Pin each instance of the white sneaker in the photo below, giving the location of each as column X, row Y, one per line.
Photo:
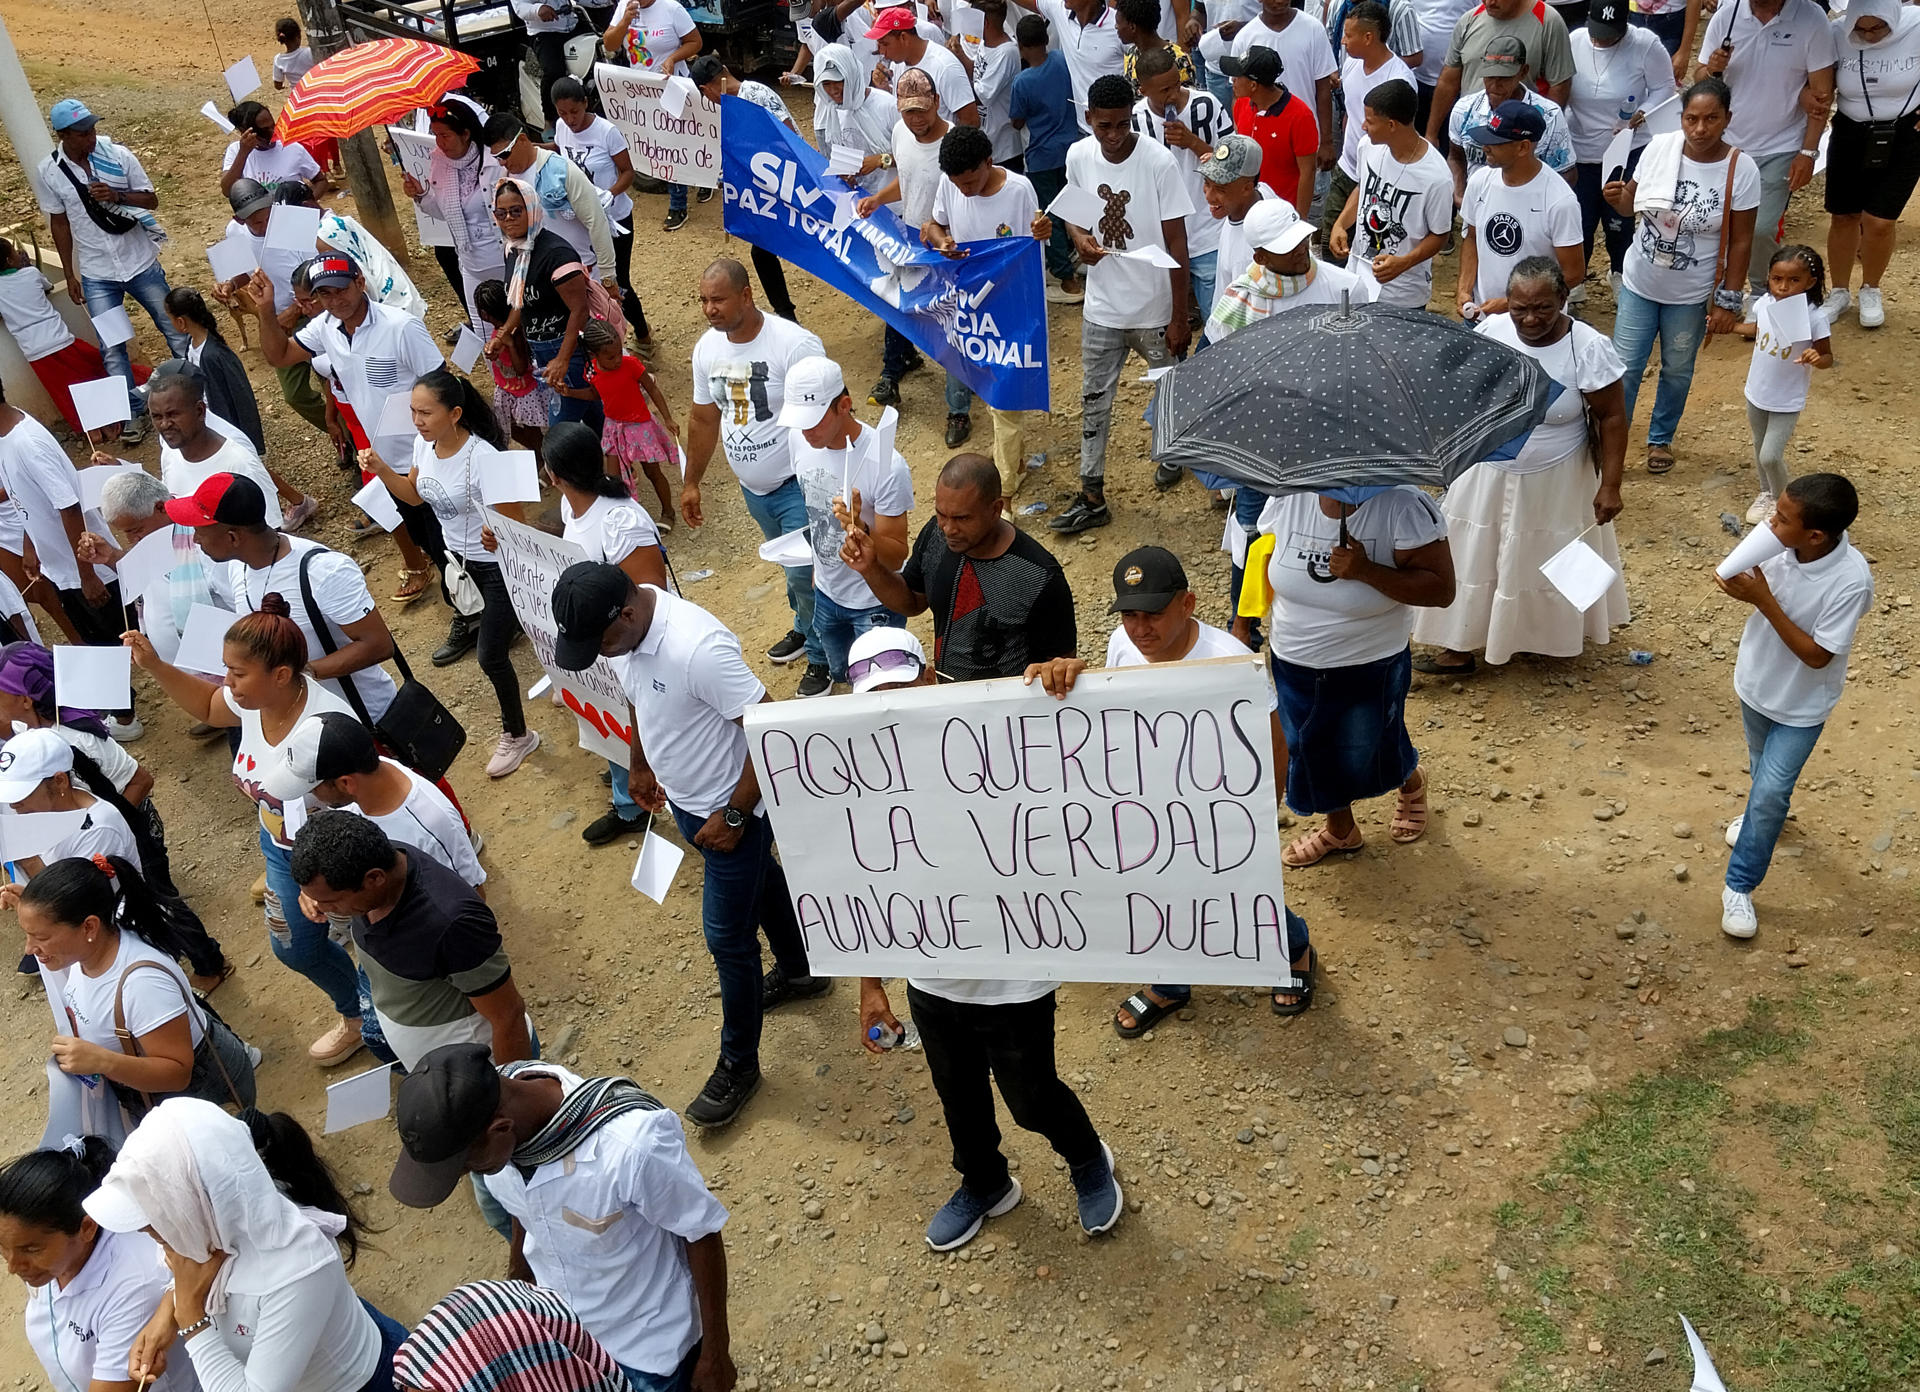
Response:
column 125, row 731
column 1616, row 280
column 1733, row 828
column 1737, row 918
column 1873, row 313
column 1837, row 303
column 1761, row 509
column 510, row 752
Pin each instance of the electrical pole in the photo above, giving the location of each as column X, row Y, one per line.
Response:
column 366, row 170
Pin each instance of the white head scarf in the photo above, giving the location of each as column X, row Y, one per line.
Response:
column 1892, row 13
column 852, row 120
column 191, row 1171
column 536, row 214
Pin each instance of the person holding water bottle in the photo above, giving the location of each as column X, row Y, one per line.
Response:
column 1619, row 75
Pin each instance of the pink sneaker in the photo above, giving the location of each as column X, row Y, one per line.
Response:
column 511, row 752
column 337, row 1045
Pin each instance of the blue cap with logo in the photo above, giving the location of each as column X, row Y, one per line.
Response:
column 71, row 114
column 1510, row 121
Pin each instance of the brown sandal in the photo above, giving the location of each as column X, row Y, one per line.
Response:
column 1410, row 813
column 413, row 584
column 1659, row 459
column 1317, row 845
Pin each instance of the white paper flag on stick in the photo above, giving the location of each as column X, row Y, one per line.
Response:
column 147, row 562
column 101, row 403
column 1580, row 574
column 675, row 95
column 203, row 642
column 93, row 678
column 362, row 1098
column 788, row 549
column 218, row 117
column 509, row 476
column 27, row 834
column 377, row 503
column 969, row 23
column 243, row 79
column 1152, row 255
column 230, row 258
column 1077, row 206
column 466, row 349
column 1788, row 318
column 845, row 159
column 1619, row 150
column 1706, row 1377
column 94, row 478
column 659, row 862
column 293, row 228
column 396, row 416
column 1760, row 544
column 113, row 326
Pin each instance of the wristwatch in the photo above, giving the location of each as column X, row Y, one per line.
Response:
column 886, row 160
column 1811, row 154
column 733, row 817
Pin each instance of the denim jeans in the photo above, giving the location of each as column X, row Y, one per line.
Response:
column 1103, row 353
column 149, row 290
column 1298, row 942
column 679, row 1380
column 1220, row 85
column 1775, row 755
column 835, row 627
column 559, row 408
column 392, row 1335
column 303, row 944
column 744, row 889
column 1596, row 212
column 676, row 198
column 1047, row 184
column 959, row 397
column 897, row 354
column 1201, row 271
column 1637, row 323
column 777, row 513
column 623, row 802
column 1248, row 503
column 1774, row 197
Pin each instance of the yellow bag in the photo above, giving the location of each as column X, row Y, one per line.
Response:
column 1256, row 595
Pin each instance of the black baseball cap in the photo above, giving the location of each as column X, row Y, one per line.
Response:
column 321, row 748
column 1147, row 580
column 1259, row 65
column 705, row 70
column 229, row 500
column 1608, row 18
column 587, row 598
column 1508, row 122
column 444, row 1106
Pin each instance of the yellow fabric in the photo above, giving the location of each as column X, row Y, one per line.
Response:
column 1256, row 595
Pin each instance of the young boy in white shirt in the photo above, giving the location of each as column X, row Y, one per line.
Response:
column 1792, row 666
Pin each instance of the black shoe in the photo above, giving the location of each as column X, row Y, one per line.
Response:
column 913, row 364
column 886, row 392
column 1165, row 476
column 777, row 988
column 675, row 221
column 704, row 195
column 816, row 682
column 788, row 648
column 611, row 826
column 462, row 637
column 726, row 1092
column 30, row 966
column 1084, row 513
column 959, row 427
column 606, row 777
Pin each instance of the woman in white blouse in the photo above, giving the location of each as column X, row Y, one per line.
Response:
column 459, row 191
column 1506, row 517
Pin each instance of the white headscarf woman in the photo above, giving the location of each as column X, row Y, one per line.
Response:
column 255, row 1284
column 1873, row 150
column 860, row 116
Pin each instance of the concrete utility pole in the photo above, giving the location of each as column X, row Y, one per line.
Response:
column 26, row 127
column 366, row 170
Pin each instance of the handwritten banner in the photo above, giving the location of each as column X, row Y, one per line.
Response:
column 985, row 830
column 683, row 149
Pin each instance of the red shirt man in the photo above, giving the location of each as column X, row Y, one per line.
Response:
column 1283, row 125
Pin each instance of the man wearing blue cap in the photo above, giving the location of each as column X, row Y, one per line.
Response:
column 99, row 203
column 1514, row 208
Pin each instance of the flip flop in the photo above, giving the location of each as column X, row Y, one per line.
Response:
column 1300, row 985
column 1659, row 459
column 1427, row 663
column 1146, row 1012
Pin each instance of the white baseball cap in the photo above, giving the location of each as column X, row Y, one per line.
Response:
column 885, row 657
column 113, row 1206
column 29, row 759
column 1273, row 225
column 813, row 385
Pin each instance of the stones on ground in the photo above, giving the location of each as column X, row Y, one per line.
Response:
column 1244, row 1135
column 1471, row 819
column 813, row 1209
column 560, row 819
column 1626, row 929
column 1681, row 873
column 1603, row 812
column 1683, row 830
column 1514, row 1037
column 1203, row 1198
column 874, row 1333
column 1655, row 1356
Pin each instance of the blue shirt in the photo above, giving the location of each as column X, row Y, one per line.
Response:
column 1043, row 98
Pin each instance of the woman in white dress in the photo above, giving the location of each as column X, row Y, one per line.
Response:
column 1508, row 516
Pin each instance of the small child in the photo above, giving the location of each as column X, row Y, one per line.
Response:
column 631, row 435
column 57, row 358
column 1781, row 372
column 1792, row 666
column 289, row 67
column 520, row 398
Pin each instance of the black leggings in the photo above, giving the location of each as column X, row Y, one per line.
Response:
column 449, row 260
column 498, row 625
column 629, row 302
column 202, row 948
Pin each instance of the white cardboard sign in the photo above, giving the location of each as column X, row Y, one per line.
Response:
column 678, row 143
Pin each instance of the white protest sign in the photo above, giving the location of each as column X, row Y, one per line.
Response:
column 416, row 154
column 509, row 476
column 231, row 258
column 113, row 326
column 215, row 115
column 93, row 678
column 362, row 1098
column 374, row 500
column 679, row 149
column 145, row 562
column 293, row 228
column 243, row 79
column 94, row 477
column 530, row 562
column 101, row 403
column 984, row 830
column 203, row 641
column 24, row 835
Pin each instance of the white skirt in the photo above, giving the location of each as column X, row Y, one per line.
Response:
column 1501, row 527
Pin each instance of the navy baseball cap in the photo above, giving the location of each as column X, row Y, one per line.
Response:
column 1509, row 121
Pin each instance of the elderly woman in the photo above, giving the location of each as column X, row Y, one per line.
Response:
column 549, row 308
column 1346, row 570
column 461, row 175
column 1505, row 517
column 1873, row 157
column 504, row 1336
column 1686, row 271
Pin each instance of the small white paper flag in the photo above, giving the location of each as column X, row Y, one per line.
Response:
column 1152, row 255
column 969, row 23
column 788, row 549
column 1618, row 151
column 113, row 326
column 27, row 834
column 467, row 349
column 1580, row 574
column 659, row 862
column 1706, row 1377
column 541, row 687
column 243, row 79
column 93, row 678
column 377, row 503
column 231, row 258
column 94, row 478
column 1077, row 206
column 396, row 416
column 218, row 117
column 293, row 816
column 293, row 228
column 1154, row 374
column 203, row 642
column 845, row 159
column 101, row 403
column 509, row 476
column 675, row 95
column 362, row 1098
column 145, row 563
column 1789, row 319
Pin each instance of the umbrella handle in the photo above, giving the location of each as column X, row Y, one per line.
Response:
column 1344, row 542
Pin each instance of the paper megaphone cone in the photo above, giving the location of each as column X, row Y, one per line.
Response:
column 1760, row 544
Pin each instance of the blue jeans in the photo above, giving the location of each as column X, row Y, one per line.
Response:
column 1775, row 755
column 559, row 408
column 777, row 513
column 744, row 889
column 305, row 945
column 1200, row 273
column 149, row 290
column 392, row 1335
column 835, row 627
column 1637, row 323
column 1248, row 503
column 1297, row 943
column 623, row 802
column 959, row 398
column 679, row 1380
column 1220, row 85
column 1047, row 184
column 897, row 354
column 676, row 198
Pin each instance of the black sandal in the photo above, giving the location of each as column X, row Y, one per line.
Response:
column 1146, row 1012
column 1300, row 985
column 1432, row 667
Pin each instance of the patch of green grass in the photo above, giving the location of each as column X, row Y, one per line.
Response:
column 1510, row 1215
column 1303, row 1243
column 1445, row 1266
column 1286, row 1307
column 1537, row 1330
column 1893, row 1101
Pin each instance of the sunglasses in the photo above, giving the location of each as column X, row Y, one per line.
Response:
column 891, row 660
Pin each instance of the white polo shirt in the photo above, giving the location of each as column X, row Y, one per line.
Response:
column 85, row 1333
column 606, row 1228
column 688, row 684
column 383, row 356
column 101, row 254
column 1091, row 50
column 1826, row 600
column 1769, row 70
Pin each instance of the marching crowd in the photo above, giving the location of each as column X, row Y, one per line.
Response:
column 1191, row 174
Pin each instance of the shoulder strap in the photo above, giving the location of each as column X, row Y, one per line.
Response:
column 130, row 1046
column 1726, row 218
column 323, row 629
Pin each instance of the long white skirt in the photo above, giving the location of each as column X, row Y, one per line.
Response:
column 1501, row 527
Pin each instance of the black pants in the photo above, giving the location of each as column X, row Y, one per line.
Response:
column 498, row 624
column 551, row 50
column 1012, row 1045
column 203, row 949
column 773, row 279
column 449, row 260
column 629, row 302
column 1423, row 108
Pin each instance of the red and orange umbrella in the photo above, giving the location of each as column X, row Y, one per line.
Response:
column 369, row 84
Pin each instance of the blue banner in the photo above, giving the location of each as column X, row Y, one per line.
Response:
column 982, row 317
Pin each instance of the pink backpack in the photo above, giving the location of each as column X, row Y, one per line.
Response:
column 600, row 302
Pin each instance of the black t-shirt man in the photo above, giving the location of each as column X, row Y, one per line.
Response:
column 993, row 617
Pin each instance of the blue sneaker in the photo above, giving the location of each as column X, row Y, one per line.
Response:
column 959, row 1219
column 1101, row 1203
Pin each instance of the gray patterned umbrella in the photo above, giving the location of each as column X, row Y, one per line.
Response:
column 1336, row 398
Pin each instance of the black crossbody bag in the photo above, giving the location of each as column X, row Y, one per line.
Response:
column 1877, row 150
column 421, row 731
column 97, row 212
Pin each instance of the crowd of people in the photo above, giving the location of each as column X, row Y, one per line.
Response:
column 1261, row 160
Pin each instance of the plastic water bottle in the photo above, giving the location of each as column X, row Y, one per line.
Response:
column 1640, row 657
column 907, row 1036
column 1627, row 105
column 1033, row 509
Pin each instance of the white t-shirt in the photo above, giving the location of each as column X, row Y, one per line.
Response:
column 29, row 315
column 1234, row 255
column 341, row 595
column 1091, row 50
column 1008, row 213
column 885, row 489
column 182, row 476
column 610, row 530
column 1825, row 600
column 291, row 67
column 1355, row 83
column 104, row 832
column 1210, row 122
column 655, row 32
column 99, row 253
column 916, row 164
column 1636, row 70
column 85, row 1332
column 276, row 164
column 1399, row 206
column 1306, row 53
column 1319, row 621
column 316, row 1314
column 39, row 476
column 1582, row 361
column 428, row 822
column 451, row 487
column 257, row 754
column 1768, row 71
column 1674, row 253
column 115, row 763
column 383, row 356
column 1775, row 382
column 150, row 1002
column 1142, row 191
column 952, row 88
column 747, row 382
column 1510, row 224
column 1208, row 642
column 593, row 149
column 993, row 72
column 1437, row 19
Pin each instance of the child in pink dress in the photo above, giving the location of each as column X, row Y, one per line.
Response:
column 633, row 435
column 520, row 398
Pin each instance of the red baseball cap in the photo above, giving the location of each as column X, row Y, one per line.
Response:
column 893, row 20
column 225, row 500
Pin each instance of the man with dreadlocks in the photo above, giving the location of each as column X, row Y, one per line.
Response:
column 609, row 1211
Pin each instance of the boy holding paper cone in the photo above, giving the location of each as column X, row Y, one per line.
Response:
column 1807, row 600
